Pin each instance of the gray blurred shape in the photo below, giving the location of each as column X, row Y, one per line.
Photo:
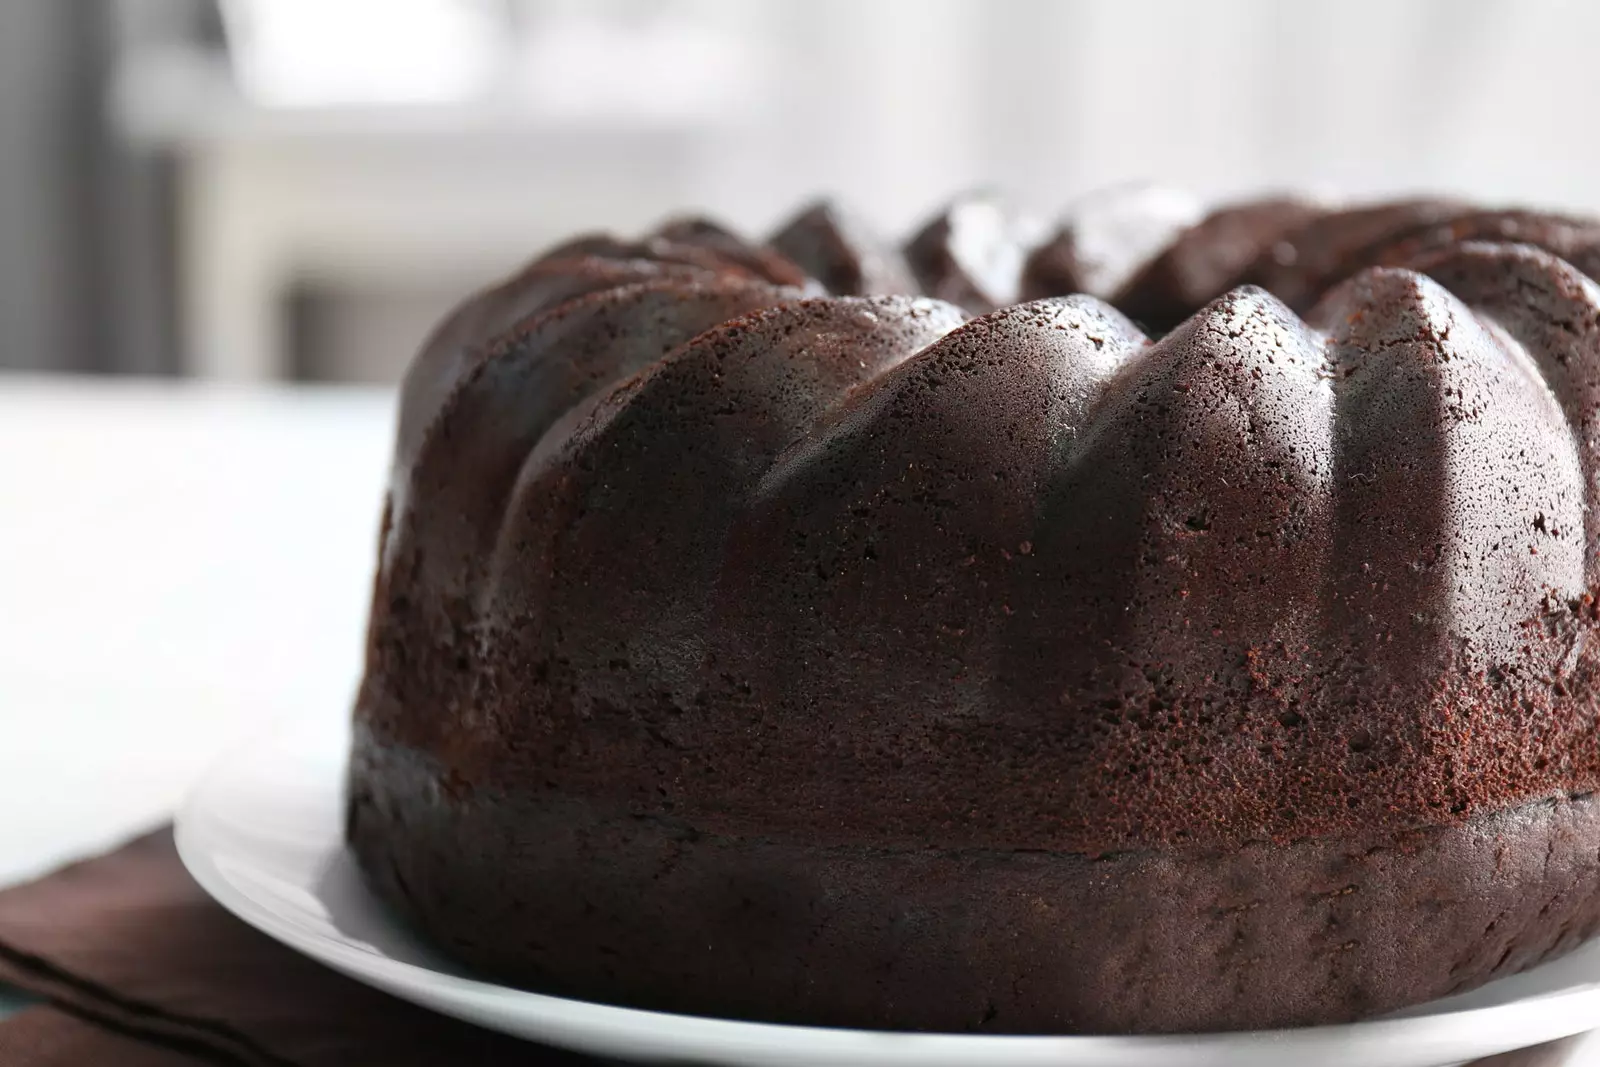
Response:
column 86, row 242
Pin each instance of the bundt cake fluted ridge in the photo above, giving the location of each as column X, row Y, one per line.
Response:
column 725, row 632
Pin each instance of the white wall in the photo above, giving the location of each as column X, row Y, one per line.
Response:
column 893, row 105
column 900, row 101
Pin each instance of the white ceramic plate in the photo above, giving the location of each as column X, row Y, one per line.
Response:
column 262, row 834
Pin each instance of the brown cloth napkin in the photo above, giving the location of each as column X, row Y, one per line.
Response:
column 138, row 967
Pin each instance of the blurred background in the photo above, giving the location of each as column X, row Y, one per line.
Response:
column 225, row 226
column 295, row 189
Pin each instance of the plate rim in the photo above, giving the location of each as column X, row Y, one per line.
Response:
column 1449, row 1036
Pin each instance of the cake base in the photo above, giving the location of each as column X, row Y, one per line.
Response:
column 563, row 897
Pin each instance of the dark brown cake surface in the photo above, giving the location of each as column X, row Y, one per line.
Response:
column 1209, row 258
column 973, row 253
column 931, row 631
column 1106, row 238
column 616, row 907
column 841, row 252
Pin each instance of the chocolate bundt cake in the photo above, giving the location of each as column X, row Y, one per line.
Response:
column 755, row 637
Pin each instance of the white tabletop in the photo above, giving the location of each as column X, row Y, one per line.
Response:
column 178, row 567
